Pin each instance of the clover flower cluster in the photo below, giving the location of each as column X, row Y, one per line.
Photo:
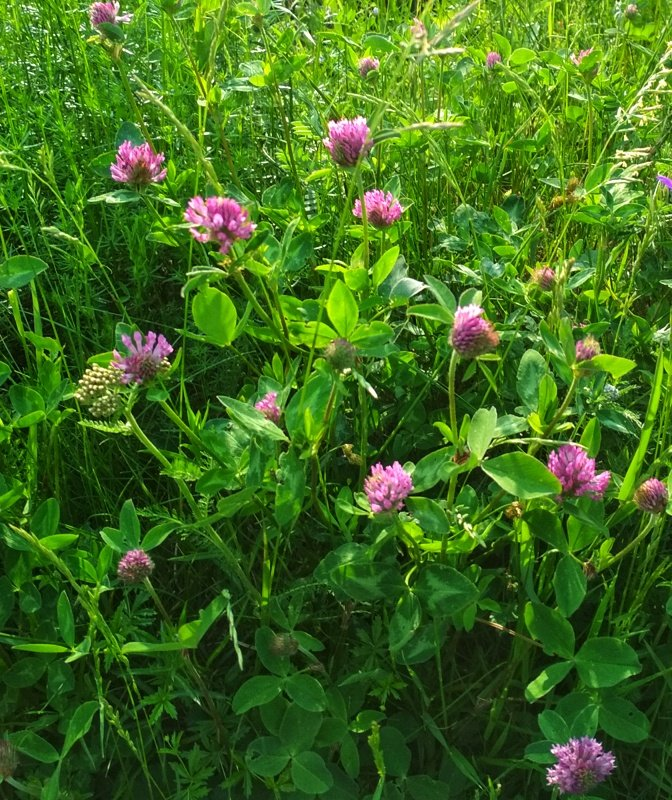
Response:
column 348, row 141
column 269, row 407
column 544, row 278
column 582, row 763
column 218, row 219
column 587, row 348
column 97, row 388
column 382, row 210
column 137, row 165
column 387, row 487
column 368, row 64
column 472, row 335
column 492, row 59
column 146, row 357
column 100, row 13
column 135, row 566
column 576, row 59
column 341, row 355
column 652, row 496
column 575, row 470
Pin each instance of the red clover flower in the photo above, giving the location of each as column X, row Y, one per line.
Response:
column 368, row 64
column 667, row 182
column 631, row 11
column 492, row 58
column 147, row 356
column 652, row 496
column 137, row 165
column 582, row 763
column 577, row 59
column 587, row 348
column 107, row 12
column 382, row 210
column 135, row 566
column 576, row 472
column 472, row 335
column 268, row 407
column 348, row 141
column 544, row 277
column 218, row 219
column 386, row 487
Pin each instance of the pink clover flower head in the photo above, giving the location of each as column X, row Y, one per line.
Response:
column 382, row 210
column 582, row 763
column 492, row 58
column 268, row 407
column 135, row 566
column 348, row 141
column 576, row 472
column 472, row 335
column 368, row 64
column 577, row 59
column 667, row 182
column 137, row 165
column 587, row 348
column 418, row 29
column 652, row 496
column 218, row 219
column 631, row 11
column 147, row 356
column 387, row 487
column 107, row 12
column 544, row 277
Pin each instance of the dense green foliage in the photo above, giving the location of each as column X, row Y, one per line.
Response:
column 291, row 642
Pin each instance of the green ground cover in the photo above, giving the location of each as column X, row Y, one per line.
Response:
column 312, row 492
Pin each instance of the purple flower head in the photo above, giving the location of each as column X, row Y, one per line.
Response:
column 137, row 165
column 667, row 182
column 652, row 496
column 368, row 64
column 135, row 566
column 587, row 348
column 348, row 141
column 492, row 58
column 582, row 763
column 107, row 12
column 544, row 277
column 576, row 472
column 268, row 407
column 472, row 335
column 218, row 219
column 382, row 210
column 386, row 487
column 147, row 356
column 577, row 59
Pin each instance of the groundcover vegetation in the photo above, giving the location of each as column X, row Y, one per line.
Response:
column 335, row 407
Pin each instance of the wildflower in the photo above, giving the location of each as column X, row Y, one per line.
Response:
column 9, row 759
column 582, row 763
column 268, row 407
column 107, row 13
column 667, row 182
column 348, row 141
column 587, row 348
column 135, row 566
column 631, row 11
column 492, row 58
column 96, row 389
column 368, row 64
column 611, row 392
column 218, row 219
column 577, row 59
column 472, row 335
column 652, row 496
column 544, row 277
column 137, row 165
column 147, row 356
column 382, row 210
column 341, row 355
column 418, row 29
column 386, row 487
column 576, row 472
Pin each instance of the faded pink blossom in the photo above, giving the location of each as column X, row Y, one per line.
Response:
column 582, row 763
column 387, row 487
column 137, row 165
column 587, row 348
column 577, row 59
column 218, row 219
column 107, row 12
column 348, row 141
column 382, row 210
column 544, row 277
column 146, row 358
column 268, row 407
column 368, row 64
column 472, row 335
column 575, row 470
column 135, row 566
column 652, row 496
column 492, row 58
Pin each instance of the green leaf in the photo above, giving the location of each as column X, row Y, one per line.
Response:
column 551, row 629
column 251, row 419
column 384, row 265
column 118, row 197
column 41, row 647
column 266, row 757
column 531, row 370
column 310, row 773
column 342, row 309
column 46, row 518
column 255, row 692
column 158, row 534
column 623, row 720
column 597, row 176
column 443, row 590
column 19, row 271
column 128, row 132
column 433, row 311
column 429, row 514
column 66, row 620
column 24, row 673
column 404, row 622
column 129, row 525
column 569, row 582
column 434, row 467
column 265, row 643
column 306, row 691
column 482, row 431
column 59, row 540
column 521, row 55
column 522, row 475
column 191, row 633
column 291, row 481
column 215, row 315
column 553, row 726
column 79, row 725
column 299, row 727
column 34, row 746
column 26, row 401
column 547, row 527
column 605, row 661
column 546, row 680
column 616, row 366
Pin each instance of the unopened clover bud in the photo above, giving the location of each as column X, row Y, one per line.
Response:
column 135, row 566
column 341, row 354
column 652, row 496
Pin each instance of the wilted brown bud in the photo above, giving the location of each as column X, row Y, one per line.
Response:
column 589, row 570
column 283, row 644
column 341, row 354
column 514, row 510
column 9, row 759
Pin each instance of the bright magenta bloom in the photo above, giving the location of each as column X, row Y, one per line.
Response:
column 667, row 182
column 135, row 566
column 348, row 141
column 652, row 496
column 268, row 407
column 544, row 277
column 472, row 335
column 576, row 472
column 386, row 487
column 492, row 58
column 147, row 356
column 107, row 12
column 582, row 763
column 368, row 64
column 218, row 219
column 137, row 165
column 382, row 210
column 587, row 348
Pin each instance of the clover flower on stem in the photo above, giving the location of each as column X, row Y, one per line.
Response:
column 146, row 358
column 382, row 210
column 348, row 141
column 368, row 64
column 577, row 59
column 587, row 348
column 218, row 219
column 387, row 487
column 135, row 566
column 137, row 165
column 544, row 277
column 269, row 408
column 107, row 13
column 665, row 181
column 492, row 59
column 472, row 335
column 575, row 470
column 582, row 763
column 652, row 496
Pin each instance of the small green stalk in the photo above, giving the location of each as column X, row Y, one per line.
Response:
column 629, row 547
